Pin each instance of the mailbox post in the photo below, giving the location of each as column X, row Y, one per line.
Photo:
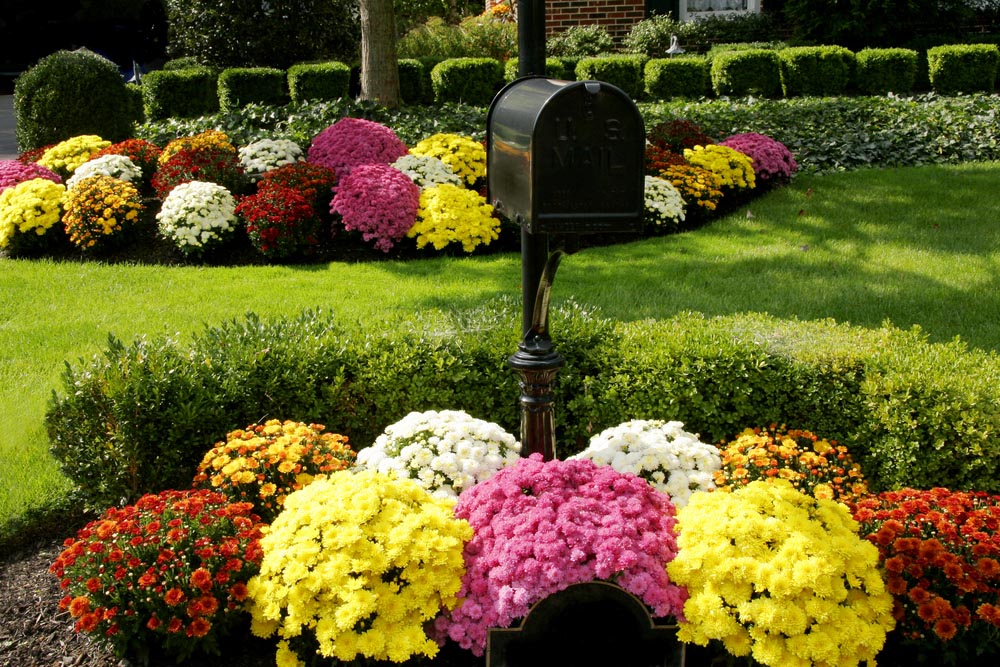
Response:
column 562, row 158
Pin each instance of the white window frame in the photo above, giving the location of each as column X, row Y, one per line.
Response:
column 693, row 14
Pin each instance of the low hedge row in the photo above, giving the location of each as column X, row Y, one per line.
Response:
column 768, row 72
column 139, row 418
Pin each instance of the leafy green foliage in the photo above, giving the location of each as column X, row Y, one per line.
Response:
column 881, row 71
column 140, row 417
column 180, row 93
column 278, row 33
column 815, row 70
column 872, row 23
column 750, row 72
column 467, row 80
column 239, row 86
column 666, row 78
column 624, row 71
column 850, row 133
column 580, row 41
column 963, row 68
column 70, row 93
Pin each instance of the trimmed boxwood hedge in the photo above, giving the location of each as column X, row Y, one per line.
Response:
column 140, row 417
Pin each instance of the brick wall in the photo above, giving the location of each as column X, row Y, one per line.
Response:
column 617, row 16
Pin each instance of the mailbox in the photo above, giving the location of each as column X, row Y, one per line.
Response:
column 566, row 157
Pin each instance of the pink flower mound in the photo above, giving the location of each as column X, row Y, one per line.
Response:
column 13, row 172
column 771, row 158
column 543, row 526
column 354, row 141
column 379, row 201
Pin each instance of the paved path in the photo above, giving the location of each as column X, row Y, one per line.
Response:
column 8, row 143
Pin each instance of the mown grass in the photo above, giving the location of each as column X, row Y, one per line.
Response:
column 914, row 246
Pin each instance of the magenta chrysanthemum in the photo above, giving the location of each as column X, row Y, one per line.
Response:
column 540, row 527
column 354, row 141
column 379, row 201
column 771, row 158
column 13, row 172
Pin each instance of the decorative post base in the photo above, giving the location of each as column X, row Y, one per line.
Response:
column 537, row 363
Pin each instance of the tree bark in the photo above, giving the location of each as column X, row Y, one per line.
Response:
column 379, row 72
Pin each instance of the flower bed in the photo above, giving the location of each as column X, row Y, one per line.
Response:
column 373, row 559
column 355, row 185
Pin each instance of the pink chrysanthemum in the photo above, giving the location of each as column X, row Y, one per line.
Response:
column 543, row 526
column 354, row 141
column 771, row 158
column 13, row 172
column 379, row 201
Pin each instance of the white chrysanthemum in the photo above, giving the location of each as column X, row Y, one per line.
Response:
column 664, row 206
column 663, row 453
column 427, row 171
column 116, row 166
column 446, row 452
column 267, row 154
column 196, row 214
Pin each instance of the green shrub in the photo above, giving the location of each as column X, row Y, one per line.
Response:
column 318, row 81
column 624, row 71
column 414, row 81
column 963, row 68
column 181, row 93
column 569, row 64
column 666, row 78
column 820, row 71
column 240, row 86
column 140, row 417
column 750, row 72
column 436, row 38
column 467, row 80
column 699, row 36
column 184, row 62
column 277, row 33
column 69, row 93
column 726, row 47
column 484, row 37
column 580, row 41
column 651, row 36
column 553, row 69
column 880, row 71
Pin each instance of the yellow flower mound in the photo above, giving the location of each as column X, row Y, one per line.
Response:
column 465, row 156
column 66, row 156
column 451, row 214
column 32, row 206
column 733, row 168
column 355, row 565
column 780, row 575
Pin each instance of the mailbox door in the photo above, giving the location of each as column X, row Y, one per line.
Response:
column 588, row 147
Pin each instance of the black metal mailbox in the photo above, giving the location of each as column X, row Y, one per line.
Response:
column 566, row 157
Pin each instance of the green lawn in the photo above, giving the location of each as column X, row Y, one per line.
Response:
column 918, row 246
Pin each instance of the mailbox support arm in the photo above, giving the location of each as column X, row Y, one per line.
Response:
column 537, row 363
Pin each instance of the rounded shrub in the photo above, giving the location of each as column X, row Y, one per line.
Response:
column 70, row 93
column 580, row 41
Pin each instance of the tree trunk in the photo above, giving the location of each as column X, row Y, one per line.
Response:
column 379, row 72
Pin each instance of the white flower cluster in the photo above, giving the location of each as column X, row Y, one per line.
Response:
column 116, row 166
column 267, row 154
column 427, row 171
column 446, row 452
column 196, row 214
column 664, row 206
column 662, row 453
